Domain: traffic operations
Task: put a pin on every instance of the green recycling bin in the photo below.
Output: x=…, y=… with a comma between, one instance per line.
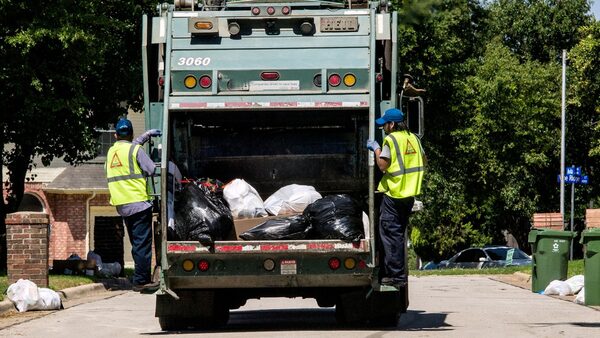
x=550, y=251
x=591, y=271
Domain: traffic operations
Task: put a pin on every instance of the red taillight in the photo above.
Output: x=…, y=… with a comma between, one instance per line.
x=205, y=81
x=379, y=77
x=203, y=265
x=161, y=81
x=255, y=10
x=285, y=10
x=334, y=80
x=269, y=76
x=270, y=10
x=334, y=263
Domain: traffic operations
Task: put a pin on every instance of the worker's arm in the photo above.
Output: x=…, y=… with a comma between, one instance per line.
x=382, y=159
x=145, y=137
x=146, y=164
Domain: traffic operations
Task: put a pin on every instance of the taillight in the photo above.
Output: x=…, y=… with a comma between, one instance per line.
x=379, y=77
x=205, y=81
x=349, y=80
x=189, y=82
x=285, y=10
x=334, y=263
x=317, y=80
x=187, y=265
x=269, y=264
x=334, y=80
x=270, y=10
x=203, y=265
x=269, y=76
x=349, y=263
x=203, y=25
x=255, y=11
x=161, y=81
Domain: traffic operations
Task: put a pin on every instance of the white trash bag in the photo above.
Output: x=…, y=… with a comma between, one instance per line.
x=558, y=287
x=27, y=296
x=244, y=201
x=291, y=199
x=575, y=283
x=580, y=299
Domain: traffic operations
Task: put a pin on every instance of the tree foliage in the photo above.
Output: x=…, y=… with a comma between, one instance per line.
x=67, y=67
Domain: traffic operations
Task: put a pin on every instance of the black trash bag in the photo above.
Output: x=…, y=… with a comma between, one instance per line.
x=201, y=216
x=336, y=217
x=292, y=227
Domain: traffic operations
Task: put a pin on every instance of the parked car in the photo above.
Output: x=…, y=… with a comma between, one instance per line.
x=487, y=257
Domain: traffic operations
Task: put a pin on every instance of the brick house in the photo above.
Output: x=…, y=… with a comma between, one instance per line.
x=76, y=201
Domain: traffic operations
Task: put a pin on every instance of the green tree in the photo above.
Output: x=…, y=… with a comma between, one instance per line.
x=67, y=67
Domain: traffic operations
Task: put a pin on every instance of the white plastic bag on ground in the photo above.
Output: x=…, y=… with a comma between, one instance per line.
x=575, y=283
x=49, y=300
x=558, y=287
x=580, y=299
x=24, y=294
x=291, y=199
x=244, y=201
x=27, y=296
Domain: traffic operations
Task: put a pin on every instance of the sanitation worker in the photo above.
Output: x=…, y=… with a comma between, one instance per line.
x=402, y=161
x=127, y=166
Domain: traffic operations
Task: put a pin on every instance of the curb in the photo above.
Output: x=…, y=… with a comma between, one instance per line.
x=66, y=294
x=522, y=275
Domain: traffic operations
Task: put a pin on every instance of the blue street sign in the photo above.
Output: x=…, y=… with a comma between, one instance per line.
x=572, y=179
x=584, y=179
x=573, y=171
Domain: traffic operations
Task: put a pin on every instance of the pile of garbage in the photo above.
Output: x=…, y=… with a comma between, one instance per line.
x=206, y=213
x=572, y=286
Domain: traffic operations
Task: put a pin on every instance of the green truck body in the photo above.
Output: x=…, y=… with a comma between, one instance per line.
x=276, y=93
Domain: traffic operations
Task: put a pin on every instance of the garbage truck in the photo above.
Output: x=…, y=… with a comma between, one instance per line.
x=275, y=92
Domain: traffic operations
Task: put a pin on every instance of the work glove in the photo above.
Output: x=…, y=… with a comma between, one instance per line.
x=154, y=132
x=372, y=145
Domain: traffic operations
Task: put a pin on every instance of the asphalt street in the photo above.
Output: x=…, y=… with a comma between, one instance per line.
x=440, y=306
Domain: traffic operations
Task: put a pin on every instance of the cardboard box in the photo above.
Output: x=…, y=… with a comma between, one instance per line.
x=245, y=224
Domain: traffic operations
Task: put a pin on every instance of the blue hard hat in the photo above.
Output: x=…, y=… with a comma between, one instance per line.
x=390, y=115
x=124, y=127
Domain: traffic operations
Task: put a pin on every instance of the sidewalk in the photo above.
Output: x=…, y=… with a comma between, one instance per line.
x=77, y=292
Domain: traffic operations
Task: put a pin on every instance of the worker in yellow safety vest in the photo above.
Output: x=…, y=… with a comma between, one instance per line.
x=127, y=166
x=402, y=160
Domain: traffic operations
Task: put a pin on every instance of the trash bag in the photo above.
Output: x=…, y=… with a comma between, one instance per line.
x=292, y=227
x=27, y=296
x=291, y=199
x=200, y=215
x=244, y=201
x=336, y=217
x=558, y=287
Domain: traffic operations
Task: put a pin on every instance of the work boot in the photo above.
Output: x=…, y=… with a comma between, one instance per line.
x=151, y=287
x=397, y=283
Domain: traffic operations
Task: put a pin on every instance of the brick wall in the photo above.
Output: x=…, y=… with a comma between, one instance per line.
x=27, y=247
x=69, y=228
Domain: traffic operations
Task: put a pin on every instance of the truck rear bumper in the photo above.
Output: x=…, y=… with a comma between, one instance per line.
x=278, y=281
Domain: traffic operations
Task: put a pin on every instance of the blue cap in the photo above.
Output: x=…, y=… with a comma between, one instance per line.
x=124, y=127
x=390, y=115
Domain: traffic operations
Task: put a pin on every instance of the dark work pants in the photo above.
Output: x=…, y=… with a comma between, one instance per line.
x=139, y=229
x=393, y=221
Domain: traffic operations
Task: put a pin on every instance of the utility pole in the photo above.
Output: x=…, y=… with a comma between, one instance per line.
x=562, y=135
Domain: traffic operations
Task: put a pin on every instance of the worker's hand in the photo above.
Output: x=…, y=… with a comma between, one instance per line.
x=154, y=132
x=372, y=145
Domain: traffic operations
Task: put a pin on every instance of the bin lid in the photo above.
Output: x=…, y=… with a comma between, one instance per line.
x=590, y=235
x=550, y=233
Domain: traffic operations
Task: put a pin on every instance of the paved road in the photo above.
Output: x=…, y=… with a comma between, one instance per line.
x=465, y=306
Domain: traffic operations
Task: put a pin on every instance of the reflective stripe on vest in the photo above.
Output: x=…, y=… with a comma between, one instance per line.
x=404, y=176
x=126, y=181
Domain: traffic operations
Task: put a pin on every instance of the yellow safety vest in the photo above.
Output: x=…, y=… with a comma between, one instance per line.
x=404, y=176
x=126, y=182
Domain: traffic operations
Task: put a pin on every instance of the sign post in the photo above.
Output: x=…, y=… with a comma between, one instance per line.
x=573, y=176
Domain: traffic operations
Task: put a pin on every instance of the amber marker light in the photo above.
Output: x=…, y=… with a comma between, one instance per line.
x=349, y=80
x=188, y=265
x=189, y=82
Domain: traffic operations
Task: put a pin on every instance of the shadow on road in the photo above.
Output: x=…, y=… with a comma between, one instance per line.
x=317, y=320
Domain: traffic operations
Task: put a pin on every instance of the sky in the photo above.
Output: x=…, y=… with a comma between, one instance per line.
x=596, y=9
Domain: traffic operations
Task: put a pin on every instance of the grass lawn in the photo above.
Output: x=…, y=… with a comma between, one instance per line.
x=575, y=268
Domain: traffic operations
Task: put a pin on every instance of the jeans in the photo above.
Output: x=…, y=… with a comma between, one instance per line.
x=393, y=221
x=139, y=229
